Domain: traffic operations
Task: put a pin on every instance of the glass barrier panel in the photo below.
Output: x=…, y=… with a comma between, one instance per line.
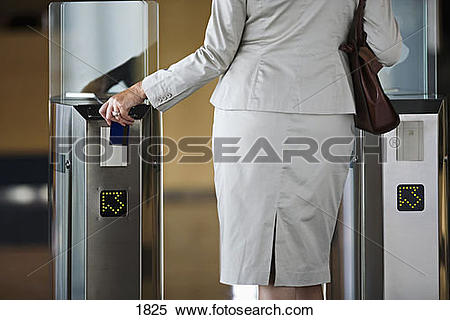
x=101, y=47
x=416, y=71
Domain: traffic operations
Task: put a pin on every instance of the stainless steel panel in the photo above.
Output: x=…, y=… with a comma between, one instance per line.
x=113, y=243
x=107, y=257
x=78, y=222
x=356, y=260
x=443, y=181
x=60, y=202
x=410, y=133
x=112, y=155
x=372, y=218
x=411, y=237
x=345, y=254
x=397, y=254
x=152, y=209
x=416, y=241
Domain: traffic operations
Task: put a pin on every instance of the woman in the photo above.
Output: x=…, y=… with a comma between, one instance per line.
x=282, y=80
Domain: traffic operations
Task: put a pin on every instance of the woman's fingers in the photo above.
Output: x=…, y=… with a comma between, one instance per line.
x=125, y=122
x=117, y=108
x=124, y=114
x=109, y=115
x=119, y=116
x=103, y=109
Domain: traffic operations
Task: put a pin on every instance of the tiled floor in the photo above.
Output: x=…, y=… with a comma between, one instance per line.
x=191, y=257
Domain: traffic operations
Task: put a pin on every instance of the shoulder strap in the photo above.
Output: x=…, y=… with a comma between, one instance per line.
x=359, y=21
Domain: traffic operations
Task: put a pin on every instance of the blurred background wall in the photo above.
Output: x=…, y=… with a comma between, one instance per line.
x=24, y=66
x=191, y=228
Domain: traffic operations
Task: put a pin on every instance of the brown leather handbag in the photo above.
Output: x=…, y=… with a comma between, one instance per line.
x=374, y=110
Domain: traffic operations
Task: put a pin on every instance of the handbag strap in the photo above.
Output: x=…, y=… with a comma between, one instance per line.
x=361, y=35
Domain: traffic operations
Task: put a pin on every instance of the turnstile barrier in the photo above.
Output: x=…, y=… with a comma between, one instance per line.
x=105, y=198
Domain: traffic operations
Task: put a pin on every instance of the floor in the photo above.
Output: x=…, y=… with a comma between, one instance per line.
x=191, y=257
x=192, y=250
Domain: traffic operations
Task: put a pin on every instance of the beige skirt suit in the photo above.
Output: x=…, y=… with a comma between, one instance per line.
x=284, y=86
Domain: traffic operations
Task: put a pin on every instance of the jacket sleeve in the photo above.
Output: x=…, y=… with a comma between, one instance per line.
x=383, y=33
x=167, y=87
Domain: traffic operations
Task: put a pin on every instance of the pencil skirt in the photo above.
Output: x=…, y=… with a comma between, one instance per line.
x=279, y=179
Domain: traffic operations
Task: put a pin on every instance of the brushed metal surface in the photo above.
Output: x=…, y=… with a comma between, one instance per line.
x=356, y=260
x=411, y=238
x=152, y=228
x=106, y=257
x=344, y=257
x=443, y=181
x=372, y=219
x=78, y=209
x=113, y=243
x=59, y=201
x=114, y=155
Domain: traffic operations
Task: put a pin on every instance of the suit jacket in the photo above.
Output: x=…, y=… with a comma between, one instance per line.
x=277, y=55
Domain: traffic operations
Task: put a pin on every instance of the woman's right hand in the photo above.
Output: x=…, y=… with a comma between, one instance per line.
x=118, y=106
